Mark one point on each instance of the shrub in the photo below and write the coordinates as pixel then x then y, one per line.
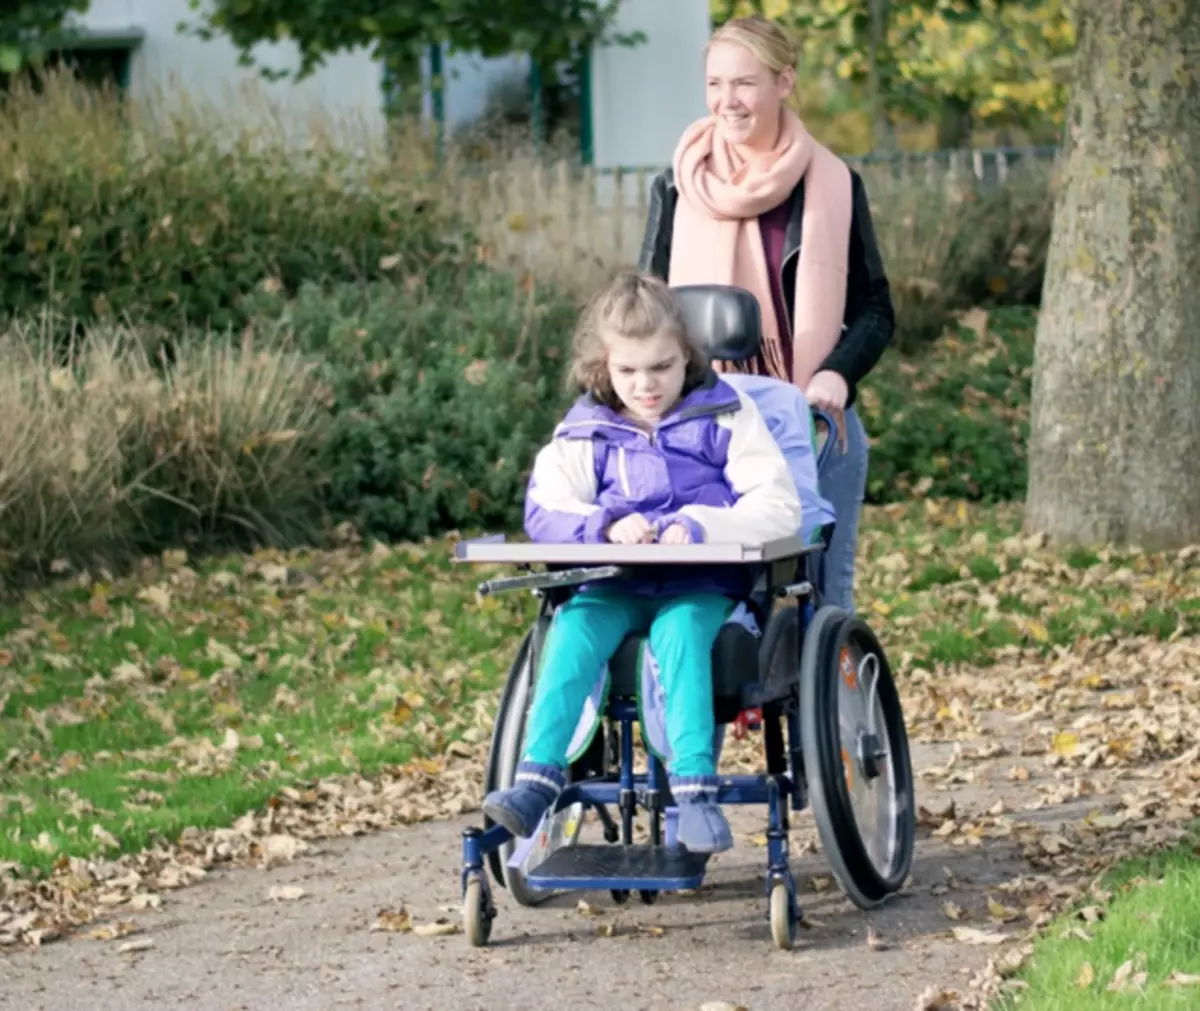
pixel 953 421
pixel 111 454
pixel 440 395
pixel 172 213
pixel 948 247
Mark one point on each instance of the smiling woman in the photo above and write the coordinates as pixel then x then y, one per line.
pixel 753 200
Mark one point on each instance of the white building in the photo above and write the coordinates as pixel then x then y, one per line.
pixel 641 98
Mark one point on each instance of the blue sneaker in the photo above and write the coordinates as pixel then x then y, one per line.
pixel 520 808
pixel 702 827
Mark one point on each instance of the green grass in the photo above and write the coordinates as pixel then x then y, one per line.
pixel 951 582
pixel 1153 919
pixel 116 705
pixel 117 698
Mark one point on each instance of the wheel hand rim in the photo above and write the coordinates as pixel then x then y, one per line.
pixel 861 720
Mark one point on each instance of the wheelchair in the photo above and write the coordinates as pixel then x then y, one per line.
pixel 832 727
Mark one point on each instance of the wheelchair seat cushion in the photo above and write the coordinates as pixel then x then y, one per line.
pixel 734 666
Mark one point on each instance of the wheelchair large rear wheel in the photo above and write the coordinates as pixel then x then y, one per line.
pixel 508 738
pixel 856 757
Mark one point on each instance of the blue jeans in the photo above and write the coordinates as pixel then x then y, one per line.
pixel 586 632
pixel 844 484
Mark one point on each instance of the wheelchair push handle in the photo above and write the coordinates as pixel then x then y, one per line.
pixel 825 418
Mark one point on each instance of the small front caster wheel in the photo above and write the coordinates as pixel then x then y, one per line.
pixel 620 895
pixel 477 919
pixel 783 926
pixel 649 896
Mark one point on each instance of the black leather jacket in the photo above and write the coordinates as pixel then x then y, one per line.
pixel 869 317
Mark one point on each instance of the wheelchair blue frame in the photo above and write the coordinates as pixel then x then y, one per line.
pixel 658 868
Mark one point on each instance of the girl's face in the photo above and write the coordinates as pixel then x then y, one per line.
pixel 647 374
pixel 744 96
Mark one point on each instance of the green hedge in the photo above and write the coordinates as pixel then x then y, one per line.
pixel 439 396
pixel 111 213
pixel 953 420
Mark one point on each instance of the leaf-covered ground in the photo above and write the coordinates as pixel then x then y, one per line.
pixel 157 726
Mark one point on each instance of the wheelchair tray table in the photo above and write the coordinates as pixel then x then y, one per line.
pixel 498 551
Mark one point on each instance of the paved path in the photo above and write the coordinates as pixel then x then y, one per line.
pixel 223 944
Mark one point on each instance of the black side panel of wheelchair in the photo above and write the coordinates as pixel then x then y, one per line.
pixel 734 664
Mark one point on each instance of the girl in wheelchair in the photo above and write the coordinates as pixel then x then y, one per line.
pixel 656 448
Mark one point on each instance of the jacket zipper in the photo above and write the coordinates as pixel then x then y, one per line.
pixel 623 472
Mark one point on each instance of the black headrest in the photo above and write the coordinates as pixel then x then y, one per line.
pixel 725 320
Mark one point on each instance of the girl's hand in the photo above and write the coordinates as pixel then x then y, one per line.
pixel 632 529
pixel 676 533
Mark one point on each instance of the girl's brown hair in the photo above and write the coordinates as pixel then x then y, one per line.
pixel 633 305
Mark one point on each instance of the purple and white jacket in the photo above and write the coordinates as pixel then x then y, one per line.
pixel 711 464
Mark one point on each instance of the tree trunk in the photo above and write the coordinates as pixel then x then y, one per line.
pixel 883 135
pixel 1114 449
pixel 955 123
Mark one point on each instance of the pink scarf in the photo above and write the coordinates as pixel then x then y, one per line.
pixel 716 238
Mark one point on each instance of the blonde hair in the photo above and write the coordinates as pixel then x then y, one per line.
pixel 769 43
pixel 634 305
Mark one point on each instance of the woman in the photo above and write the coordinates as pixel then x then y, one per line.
pixel 753 200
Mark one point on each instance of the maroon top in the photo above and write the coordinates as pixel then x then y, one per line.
pixel 773 225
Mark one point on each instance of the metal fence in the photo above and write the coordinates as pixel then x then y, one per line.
pixel 561 216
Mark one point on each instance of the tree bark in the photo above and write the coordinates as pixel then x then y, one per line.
pixel 954 124
pixel 1114 449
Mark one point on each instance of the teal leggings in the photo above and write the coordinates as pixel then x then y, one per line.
pixel 586 632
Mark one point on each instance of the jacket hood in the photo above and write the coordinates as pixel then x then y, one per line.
pixel 588 419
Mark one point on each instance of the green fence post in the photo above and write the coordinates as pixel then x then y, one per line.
pixel 586 140
pixel 438 98
pixel 539 116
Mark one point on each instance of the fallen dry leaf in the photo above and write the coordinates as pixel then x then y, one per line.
pixel 1086 977
pixel 397 921
pixel 111 931
pixel 286 893
pixel 935 998
pixel 874 941
pixel 440 927
pixel 141 944
pixel 1178 978
pixel 972 935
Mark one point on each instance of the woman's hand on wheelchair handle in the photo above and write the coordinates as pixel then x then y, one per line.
pixel 829 392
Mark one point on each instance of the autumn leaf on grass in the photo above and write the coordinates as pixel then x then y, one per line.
pixel 1178 978
pixel 104 837
pixel 1086 977
pixel 1125 978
